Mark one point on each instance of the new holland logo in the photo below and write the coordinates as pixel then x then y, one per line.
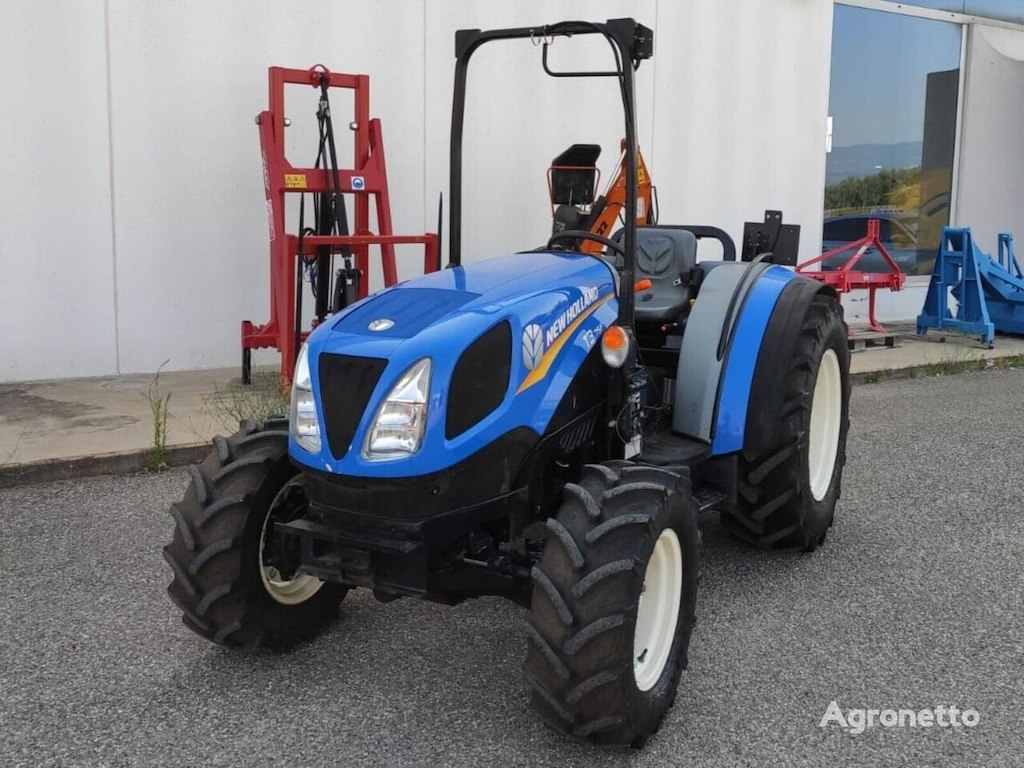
pixel 587 297
pixel 533 345
pixel 542 345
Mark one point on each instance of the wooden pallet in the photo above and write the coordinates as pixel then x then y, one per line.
pixel 861 340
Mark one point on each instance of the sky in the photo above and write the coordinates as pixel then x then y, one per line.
pixel 880 62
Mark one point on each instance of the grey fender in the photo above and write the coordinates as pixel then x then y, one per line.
pixel 701 356
pixel 705 350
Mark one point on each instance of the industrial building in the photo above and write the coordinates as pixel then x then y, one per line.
pixel 132 218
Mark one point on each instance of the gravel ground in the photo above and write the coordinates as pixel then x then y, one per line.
pixel 915 601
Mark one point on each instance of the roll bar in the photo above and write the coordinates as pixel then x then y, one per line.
pixel 631 43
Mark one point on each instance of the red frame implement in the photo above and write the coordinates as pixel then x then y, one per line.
pixel 365 180
pixel 845 279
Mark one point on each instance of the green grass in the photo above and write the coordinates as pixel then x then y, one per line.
pixel 1006 363
pixel 956 358
pixel 956 362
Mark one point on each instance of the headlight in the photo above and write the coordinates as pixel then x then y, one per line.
pixel 304 424
pixel 397 429
pixel 615 346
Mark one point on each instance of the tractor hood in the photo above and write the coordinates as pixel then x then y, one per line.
pixel 504 336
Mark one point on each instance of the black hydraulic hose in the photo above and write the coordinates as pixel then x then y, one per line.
pixel 339 214
pixel 299 266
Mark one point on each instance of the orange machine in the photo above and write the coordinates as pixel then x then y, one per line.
pixel 572 182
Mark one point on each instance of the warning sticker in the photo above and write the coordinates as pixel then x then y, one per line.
pixel 295 180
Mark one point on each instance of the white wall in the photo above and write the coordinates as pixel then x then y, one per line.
pixel 991 186
pixel 731 119
pixel 741 98
pixel 57 305
pixel 188 78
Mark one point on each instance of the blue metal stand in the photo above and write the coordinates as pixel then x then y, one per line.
pixel 1004 283
pixel 989 293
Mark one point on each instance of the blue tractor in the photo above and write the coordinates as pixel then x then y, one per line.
pixel 545 426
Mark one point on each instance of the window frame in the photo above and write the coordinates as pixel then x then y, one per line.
pixel 903 9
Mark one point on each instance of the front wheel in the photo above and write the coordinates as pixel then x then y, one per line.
pixel 613 604
pixel 230 581
pixel 787 495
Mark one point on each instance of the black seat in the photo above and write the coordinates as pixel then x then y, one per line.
pixel 665 256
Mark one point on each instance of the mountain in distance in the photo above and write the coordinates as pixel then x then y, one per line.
pixel 864 159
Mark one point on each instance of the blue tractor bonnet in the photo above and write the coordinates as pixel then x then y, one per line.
pixel 556 304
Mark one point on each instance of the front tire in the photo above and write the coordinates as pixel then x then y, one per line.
pixel 223 584
pixel 613 604
pixel 787 495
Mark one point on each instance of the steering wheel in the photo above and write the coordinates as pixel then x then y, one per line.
pixel 579 234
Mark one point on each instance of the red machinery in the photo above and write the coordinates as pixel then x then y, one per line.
pixel 290 253
pixel 845 279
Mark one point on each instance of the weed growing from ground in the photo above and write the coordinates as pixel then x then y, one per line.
pixel 159 406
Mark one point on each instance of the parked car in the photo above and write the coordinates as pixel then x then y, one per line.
pixel 898 233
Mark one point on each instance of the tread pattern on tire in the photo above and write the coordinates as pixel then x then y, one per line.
pixel 580 628
pixel 773 500
pixel 213 584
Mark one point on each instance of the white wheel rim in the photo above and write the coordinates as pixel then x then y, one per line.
pixel 658 610
pixel 826 415
pixel 295 590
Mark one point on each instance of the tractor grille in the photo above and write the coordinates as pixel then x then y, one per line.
pixel 346 383
pixel 480 380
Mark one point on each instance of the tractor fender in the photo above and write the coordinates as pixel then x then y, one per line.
pixel 735 336
pixel 773 362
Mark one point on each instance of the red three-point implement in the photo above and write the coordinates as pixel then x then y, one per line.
pixel 314 248
pixel 846 278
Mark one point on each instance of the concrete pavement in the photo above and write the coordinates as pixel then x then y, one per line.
pixel 931 351
pixel 65 418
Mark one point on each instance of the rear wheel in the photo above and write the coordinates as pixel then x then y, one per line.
pixel 228 579
pixel 787 495
pixel 613 604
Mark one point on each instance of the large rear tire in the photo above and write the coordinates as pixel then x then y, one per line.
pixel 613 604
pixel 787 495
pixel 223 584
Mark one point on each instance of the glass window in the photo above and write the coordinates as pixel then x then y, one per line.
pixel 956 6
pixel 1007 10
pixel 844 230
pixel 893 102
